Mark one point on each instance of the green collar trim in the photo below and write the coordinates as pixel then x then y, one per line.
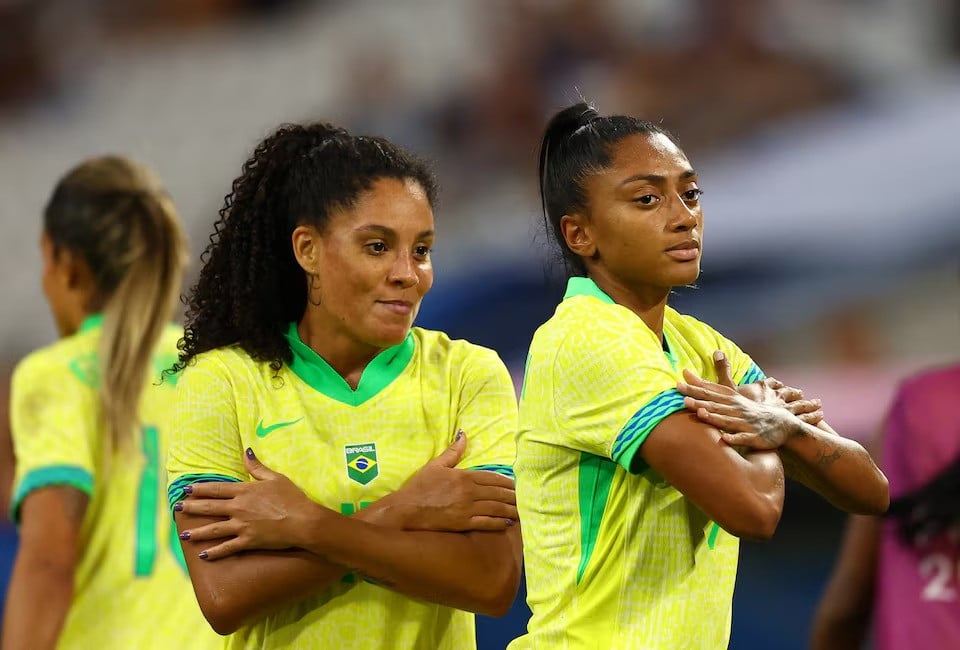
pixel 580 286
pixel 92 321
pixel 379 373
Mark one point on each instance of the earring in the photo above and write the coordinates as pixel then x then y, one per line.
pixel 313 285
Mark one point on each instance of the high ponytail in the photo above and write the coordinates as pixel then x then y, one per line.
pixel 251 286
pixel 576 143
pixel 115 215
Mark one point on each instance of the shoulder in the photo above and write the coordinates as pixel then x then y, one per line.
pixel 71 361
pixel 222 364
pixel 705 340
pixel 929 386
pixel 931 378
pixel 436 348
pixel 694 330
pixel 590 331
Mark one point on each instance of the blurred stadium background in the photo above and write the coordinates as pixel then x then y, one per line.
pixel 825 133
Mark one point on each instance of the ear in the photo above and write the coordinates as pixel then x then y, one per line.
pixel 74 271
pixel 306 247
pixel 577 235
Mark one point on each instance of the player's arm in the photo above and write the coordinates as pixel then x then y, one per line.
pixel 743 494
pixel 460 567
pixel 843 616
pixel 41 587
pixel 633 394
pixel 243 588
pixel 837 468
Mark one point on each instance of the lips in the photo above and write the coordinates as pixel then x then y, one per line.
pixel 685 245
pixel 685 251
pixel 401 307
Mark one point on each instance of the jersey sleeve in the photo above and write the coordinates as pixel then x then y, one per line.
pixel 54 422
pixel 488 413
pixel 609 395
pixel 205 443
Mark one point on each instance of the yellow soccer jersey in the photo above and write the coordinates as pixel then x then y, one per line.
pixel 131 586
pixel 615 557
pixel 347 448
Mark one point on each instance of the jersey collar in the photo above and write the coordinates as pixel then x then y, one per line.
pixel 579 286
pixel 379 373
pixel 92 321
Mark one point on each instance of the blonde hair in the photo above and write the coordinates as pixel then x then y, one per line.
pixel 117 217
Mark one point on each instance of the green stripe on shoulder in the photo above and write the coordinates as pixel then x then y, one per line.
pixel 76 477
pixel 175 491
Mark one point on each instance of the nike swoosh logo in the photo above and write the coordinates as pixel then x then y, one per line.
pixel 263 432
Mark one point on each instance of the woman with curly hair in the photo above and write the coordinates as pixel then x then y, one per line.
pixel 388 506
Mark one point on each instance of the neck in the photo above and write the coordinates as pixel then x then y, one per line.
pixel 647 302
pixel 346 355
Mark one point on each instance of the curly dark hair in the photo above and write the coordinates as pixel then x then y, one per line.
pixel 251 286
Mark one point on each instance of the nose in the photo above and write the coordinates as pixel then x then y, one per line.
pixel 684 217
pixel 403 273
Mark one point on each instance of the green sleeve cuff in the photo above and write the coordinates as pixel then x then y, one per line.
pixel 76 477
pixel 506 470
pixel 753 374
pixel 639 426
pixel 175 491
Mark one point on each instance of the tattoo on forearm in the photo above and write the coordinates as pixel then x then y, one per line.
pixel 826 459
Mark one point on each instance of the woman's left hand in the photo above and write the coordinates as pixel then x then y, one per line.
pixel 269 513
pixel 758 422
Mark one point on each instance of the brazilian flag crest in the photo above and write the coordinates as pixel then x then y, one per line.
pixel 362 465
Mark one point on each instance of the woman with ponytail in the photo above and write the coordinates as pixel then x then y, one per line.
pixel 899 576
pixel 340 478
pixel 648 442
pixel 98 564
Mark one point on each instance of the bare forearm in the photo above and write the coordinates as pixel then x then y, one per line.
pixel 839 633
pixel 838 469
pixel 843 616
pixel 476 571
pixel 243 588
pixel 765 473
pixel 38 601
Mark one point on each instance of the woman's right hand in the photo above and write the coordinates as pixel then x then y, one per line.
pixel 440 497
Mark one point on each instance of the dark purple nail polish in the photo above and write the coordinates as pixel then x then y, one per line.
pixel 203 555
pixel 459 435
pixel 510 522
pixel 188 489
pixel 185 534
pixel 250 453
pixel 178 506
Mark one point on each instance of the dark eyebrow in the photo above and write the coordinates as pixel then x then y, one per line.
pixel 656 178
pixel 390 232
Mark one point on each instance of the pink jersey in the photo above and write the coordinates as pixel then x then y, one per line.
pixel 918 590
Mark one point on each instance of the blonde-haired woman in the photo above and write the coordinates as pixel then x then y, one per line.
pixel 98 563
